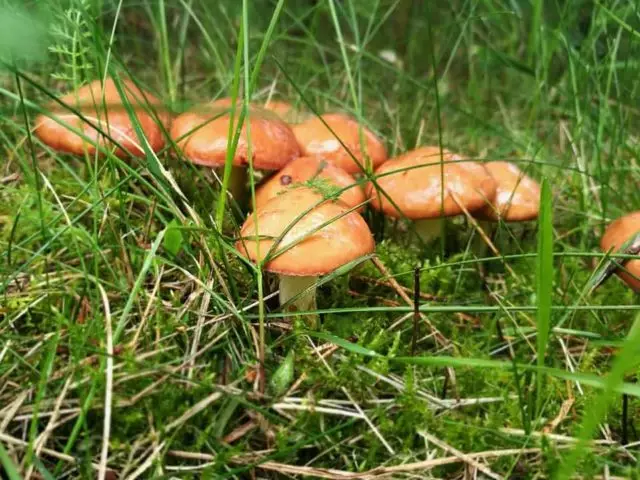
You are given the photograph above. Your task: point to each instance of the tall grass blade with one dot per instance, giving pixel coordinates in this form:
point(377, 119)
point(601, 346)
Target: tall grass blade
point(544, 282)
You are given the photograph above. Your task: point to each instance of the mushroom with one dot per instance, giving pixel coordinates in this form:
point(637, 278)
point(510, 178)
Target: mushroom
point(303, 169)
point(618, 233)
point(107, 115)
point(318, 236)
point(316, 139)
point(413, 182)
point(517, 196)
point(517, 199)
point(202, 137)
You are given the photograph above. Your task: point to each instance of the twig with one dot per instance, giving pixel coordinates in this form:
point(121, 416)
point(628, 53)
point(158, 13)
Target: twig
point(442, 340)
point(564, 411)
point(462, 456)
point(9, 440)
point(197, 408)
point(147, 463)
point(204, 306)
point(334, 474)
point(108, 388)
point(237, 433)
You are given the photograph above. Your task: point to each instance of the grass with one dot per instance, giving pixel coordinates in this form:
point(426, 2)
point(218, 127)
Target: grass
point(131, 330)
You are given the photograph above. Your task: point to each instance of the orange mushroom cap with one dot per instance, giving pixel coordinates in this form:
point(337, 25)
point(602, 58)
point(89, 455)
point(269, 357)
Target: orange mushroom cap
point(316, 139)
point(517, 196)
point(202, 136)
point(283, 109)
point(617, 234)
point(318, 251)
point(306, 168)
point(109, 115)
point(416, 187)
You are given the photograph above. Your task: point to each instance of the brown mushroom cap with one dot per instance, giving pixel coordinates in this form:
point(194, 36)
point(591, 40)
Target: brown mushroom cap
point(517, 196)
point(616, 235)
point(202, 136)
point(316, 139)
point(305, 168)
point(109, 114)
point(345, 238)
point(417, 190)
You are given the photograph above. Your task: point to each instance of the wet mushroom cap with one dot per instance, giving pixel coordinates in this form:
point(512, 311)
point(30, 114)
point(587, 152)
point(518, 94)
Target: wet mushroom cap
point(344, 238)
point(617, 234)
point(417, 190)
point(517, 195)
point(305, 168)
point(316, 139)
point(109, 115)
point(202, 136)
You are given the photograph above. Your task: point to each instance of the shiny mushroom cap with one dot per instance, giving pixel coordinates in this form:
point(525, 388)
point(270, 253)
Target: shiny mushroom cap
point(416, 187)
point(617, 234)
point(202, 136)
point(517, 196)
point(317, 251)
point(316, 139)
point(108, 114)
point(306, 168)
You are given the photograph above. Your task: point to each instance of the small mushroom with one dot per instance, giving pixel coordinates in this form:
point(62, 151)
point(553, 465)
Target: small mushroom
point(104, 108)
point(414, 182)
point(307, 168)
point(517, 196)
point(202, 137)
point(316, 243)
point(316, 139)
point(618, 233)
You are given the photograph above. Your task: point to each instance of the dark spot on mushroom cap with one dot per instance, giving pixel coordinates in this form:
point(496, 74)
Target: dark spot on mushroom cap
point(286, 179)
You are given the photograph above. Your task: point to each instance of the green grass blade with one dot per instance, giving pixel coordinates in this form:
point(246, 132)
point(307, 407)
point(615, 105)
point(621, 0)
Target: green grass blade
point(10, 468)
point(612, 383)
point(544, 281)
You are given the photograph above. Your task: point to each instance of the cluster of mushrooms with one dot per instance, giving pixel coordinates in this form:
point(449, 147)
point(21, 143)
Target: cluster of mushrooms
point(296, 231)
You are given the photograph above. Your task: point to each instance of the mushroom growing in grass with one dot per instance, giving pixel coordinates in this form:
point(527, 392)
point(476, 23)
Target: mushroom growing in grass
point(316, 139)
point(625, 231)
point(202, 136)
point(303, 169)
point(300, 236)
point(517, 196)
point(106, 118)
point(414, 182)
point(517, 199)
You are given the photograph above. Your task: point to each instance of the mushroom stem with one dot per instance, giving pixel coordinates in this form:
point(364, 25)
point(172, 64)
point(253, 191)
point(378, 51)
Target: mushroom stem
point(291, 286)
point(480, 246)
point(238, 185)
point(429, 229)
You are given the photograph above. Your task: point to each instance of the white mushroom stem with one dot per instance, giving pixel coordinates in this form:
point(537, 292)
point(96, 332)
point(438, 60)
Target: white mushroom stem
point(429, 229)
point(291, 286)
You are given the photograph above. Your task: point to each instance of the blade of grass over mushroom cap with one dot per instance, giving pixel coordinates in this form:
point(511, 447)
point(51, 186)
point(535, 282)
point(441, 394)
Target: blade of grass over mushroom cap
point(337, 234)
point(315, 172)
point(623, 235)
point(115, 105)
point(423, 196)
